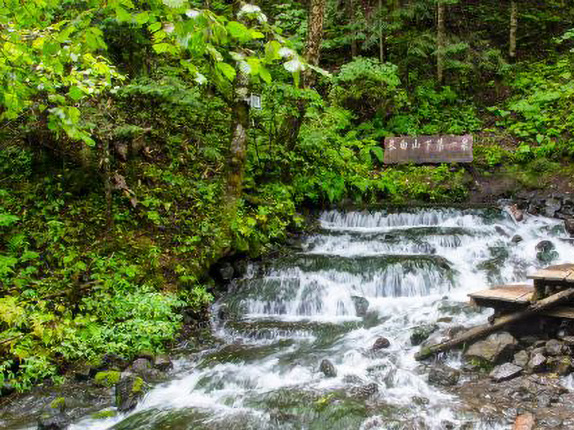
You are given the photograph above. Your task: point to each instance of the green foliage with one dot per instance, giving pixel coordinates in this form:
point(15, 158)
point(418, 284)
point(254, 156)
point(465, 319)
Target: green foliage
point(368, 87)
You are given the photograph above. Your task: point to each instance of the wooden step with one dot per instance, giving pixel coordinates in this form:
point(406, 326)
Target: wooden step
point(518, 294)
point(558, 273)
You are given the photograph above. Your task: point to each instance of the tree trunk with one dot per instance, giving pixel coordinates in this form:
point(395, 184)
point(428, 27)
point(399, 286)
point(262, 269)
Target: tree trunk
point(314, 38)
point(238, 147)
point(441, 41)
point(513, 30)
point(354, 47)
point(381, 37)
point(486, 329)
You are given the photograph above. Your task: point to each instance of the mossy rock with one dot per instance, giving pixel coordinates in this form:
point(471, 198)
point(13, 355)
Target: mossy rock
point(58, 403)
point(107, 378)
point(107, 413)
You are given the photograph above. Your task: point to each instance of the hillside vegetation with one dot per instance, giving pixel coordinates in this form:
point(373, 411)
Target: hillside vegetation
point(130, 161)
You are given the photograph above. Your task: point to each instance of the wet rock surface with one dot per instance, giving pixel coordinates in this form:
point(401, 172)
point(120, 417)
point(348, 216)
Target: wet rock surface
point(495, 349)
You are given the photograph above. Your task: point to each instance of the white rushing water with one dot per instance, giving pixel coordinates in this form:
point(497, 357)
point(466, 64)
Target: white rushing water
point(284, 318)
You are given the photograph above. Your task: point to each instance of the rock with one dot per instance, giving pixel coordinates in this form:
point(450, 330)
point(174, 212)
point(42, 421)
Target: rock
point(114, 361)
point(524, 422)
point(516, 239)
point(516, 213)
point(141, 365)
point(226, 271)
point(58, 421)
point(554, 347)
point(107, 378)
point(494, 349)
point(361, 305)
point(420, 401)
point(537, 362)
point(521, 358)
point(364, 391)
point(381, 343)
point(546, 252)
point(501, 231)
point(569, 226)
point(6, 389)
point(443, 375)
point(83, 372)
point(551, 206)
point(560, 365)
point(568, 340)
point(505, 371)
point(422, 333)
point(328, 369)
point(163, 363)
point(129, 391)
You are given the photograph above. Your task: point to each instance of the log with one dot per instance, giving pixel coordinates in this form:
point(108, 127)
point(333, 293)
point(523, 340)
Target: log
point(486, 329)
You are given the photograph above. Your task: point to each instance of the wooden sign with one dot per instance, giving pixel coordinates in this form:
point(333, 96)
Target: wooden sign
point(428, 149)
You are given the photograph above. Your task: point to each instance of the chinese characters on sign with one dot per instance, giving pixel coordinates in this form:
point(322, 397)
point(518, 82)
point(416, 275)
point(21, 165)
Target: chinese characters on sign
point(428, 149)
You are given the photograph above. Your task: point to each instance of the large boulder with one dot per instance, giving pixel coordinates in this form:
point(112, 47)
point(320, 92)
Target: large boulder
point(495, 349)
point(505, 371)
point(361, 305)
point(381, 343)
point(443, 375)
point(537, 362)
point(551, 206)
point(545, 252)
point(554, 347)
point(422, 333)
point(328, 369)
point(129, 392)
point(59, 421)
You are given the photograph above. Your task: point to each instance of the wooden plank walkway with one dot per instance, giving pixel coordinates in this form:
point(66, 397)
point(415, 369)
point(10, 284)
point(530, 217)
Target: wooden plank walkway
point(519, 294)
point(559, 273)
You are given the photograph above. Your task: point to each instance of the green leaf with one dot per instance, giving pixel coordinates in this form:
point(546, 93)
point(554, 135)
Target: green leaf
point(227, 70)
point(239, 31)
point(75, 93)
point(142, 18)
point(265, 75)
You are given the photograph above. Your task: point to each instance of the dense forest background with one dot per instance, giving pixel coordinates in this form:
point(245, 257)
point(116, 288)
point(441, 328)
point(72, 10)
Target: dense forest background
point(131, 160)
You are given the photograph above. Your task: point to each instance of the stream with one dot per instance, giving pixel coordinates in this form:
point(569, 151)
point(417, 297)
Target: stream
point(285, 316)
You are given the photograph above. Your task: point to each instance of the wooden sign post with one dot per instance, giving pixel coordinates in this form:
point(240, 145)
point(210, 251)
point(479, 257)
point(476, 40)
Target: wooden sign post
point(428, 149)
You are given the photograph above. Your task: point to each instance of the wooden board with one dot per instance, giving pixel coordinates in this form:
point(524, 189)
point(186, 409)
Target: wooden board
point(519, 294)
point(561, 312)
point(559, 273)
point(428, 149)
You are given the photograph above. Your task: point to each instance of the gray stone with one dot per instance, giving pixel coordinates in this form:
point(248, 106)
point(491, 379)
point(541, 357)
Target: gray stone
point(505, 371)
point(560, 365)
point(361, 305)
point(494, 349)
point(551, 206)
point(537, 362)
point(422, 333)
point(568, 340)
point(569, 226)
point(554, 347)
point(364, 391)
point(443, 375)
point(328, 369)
point(516, 239)
point(60, 421)
point(521, 358)
point(129, 392)
point(226, 271)
point(381, 343)
point(546, 252)
point(163, 363)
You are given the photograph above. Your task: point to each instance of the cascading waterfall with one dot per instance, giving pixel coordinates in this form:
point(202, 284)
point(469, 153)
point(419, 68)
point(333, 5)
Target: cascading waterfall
point(410, 268)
